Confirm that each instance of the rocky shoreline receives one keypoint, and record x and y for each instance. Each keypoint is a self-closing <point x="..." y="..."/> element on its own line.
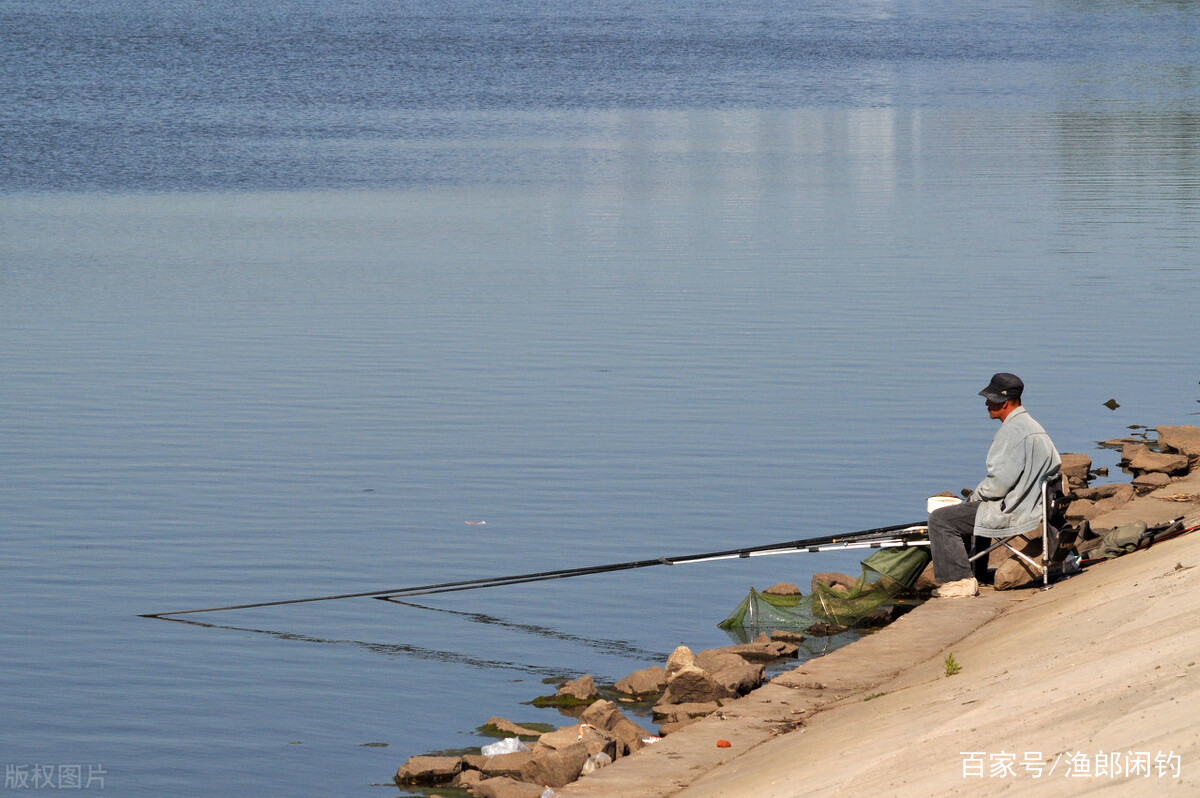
<point x="688" y="687"/>
<point x="710" y="684"/>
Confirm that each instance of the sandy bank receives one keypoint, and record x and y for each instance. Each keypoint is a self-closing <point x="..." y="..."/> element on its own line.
<point x="1092" y="686"/>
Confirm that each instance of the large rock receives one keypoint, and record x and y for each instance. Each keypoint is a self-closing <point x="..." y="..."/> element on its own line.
<point x="428" y="770"/>
<point x="1159" y="463"/>
<point x="762" y="650"/>
<point x="555" y="767"/>
<point x="694" y="685"/>
<point x="715" y="659"/>
<point x="1132" y="450"/>
<point x="593" y="738"/>
<point x="926" y="581"/>
<point x="1015" y="572"/>
<point x="647" y="681"/>
<point x="1080" y="510"/>
<point x="1114" y="502"/>
<point x="1075" y="468"/>
<point x="581" y="689"/>
<point x="1183" y="440"/>
<point x="505" y="764"/>
<point x="1151" y="481"/>
<point x="739" y="678"/>
<point x="467" y="779"/>
<point x="1029" y="544"/>
<point x="605" y="715"/>
<point x="1102" y="491"/>
<point x="671" y="713"/>
<point x="510" y="728"/>
<point x="672" y="726"/>
<point x="843" y="582"/>
<point x="474" y="761"/>
<point x="504" y="787"/>
<point x="680" y="658"/>
<point x="876" y="618"/>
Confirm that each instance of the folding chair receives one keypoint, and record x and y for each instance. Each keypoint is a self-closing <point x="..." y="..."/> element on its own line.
<point x="1053" y="521"/>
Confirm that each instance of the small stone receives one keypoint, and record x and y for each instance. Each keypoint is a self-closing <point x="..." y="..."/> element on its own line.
<point x="783" y="589"/>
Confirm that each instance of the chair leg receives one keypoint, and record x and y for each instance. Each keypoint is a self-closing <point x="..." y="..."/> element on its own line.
<point x="1045" y="534"/>
<point x="1027" y="559"/>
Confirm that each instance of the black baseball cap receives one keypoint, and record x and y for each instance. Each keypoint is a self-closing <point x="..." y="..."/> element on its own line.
<point x="1004" y="386"/>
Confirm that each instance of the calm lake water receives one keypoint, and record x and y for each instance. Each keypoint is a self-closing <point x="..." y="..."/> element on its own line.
<point x="292" y="291"/>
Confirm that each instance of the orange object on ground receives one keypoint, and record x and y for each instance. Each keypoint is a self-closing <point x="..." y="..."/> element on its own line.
<point x="723" y="744"/>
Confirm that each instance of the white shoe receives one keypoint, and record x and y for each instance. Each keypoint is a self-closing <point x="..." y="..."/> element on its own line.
<point x="963" y="588"/>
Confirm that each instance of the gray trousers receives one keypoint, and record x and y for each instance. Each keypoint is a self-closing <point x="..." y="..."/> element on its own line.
<point x="951" y="530"/>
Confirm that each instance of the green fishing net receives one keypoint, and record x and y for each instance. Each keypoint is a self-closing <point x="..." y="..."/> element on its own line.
<point x="767" y="611"/>
<point x="885" y="575"/>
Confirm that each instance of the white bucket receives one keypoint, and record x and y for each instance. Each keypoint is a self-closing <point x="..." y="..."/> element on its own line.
<point x="934" y="502"/>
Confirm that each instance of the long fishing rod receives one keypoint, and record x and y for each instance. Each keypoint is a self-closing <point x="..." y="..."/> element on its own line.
<point x="880" y="537"/>
<point x="878" y="543"/>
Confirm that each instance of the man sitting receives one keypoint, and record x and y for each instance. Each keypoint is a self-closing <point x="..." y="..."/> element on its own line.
<point x="1009" y="499"/>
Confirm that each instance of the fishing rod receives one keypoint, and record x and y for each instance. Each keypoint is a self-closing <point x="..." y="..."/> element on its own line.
<point x="881" y="537"/>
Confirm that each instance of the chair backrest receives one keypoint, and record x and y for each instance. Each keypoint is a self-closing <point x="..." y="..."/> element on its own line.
<point x="1054" y="499"/>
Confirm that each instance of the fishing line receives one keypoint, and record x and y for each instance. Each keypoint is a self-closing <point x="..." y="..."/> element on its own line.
<point x="394" y="650"/>
<point x="615" y="647"/>
<point x="912" y="534"/>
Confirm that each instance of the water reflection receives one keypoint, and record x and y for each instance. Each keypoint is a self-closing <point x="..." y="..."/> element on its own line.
<point x="1135" y="168"/>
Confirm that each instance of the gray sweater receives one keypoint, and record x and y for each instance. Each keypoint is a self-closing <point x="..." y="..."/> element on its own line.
<point x="1010" y="496"/>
